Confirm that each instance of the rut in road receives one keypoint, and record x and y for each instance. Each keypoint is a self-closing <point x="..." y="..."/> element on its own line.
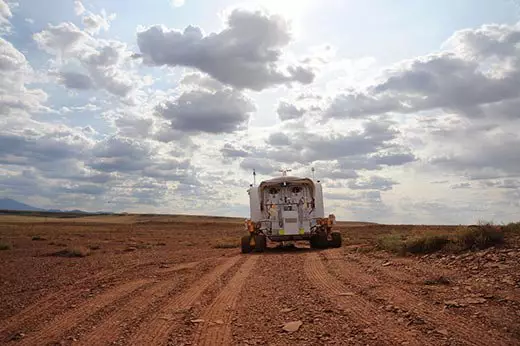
<point x="111" y="327"/>
<point x="33" y="313"/>
<point x="216" y="329"/>
<point x="62" y="323"/>
<point x="155" y="331"/>
<point x="385" y="327"/>
<point x="463" y="330"/>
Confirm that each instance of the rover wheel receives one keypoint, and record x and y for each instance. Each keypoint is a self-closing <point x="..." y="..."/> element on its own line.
<point x="319" y="241"/>
<point x="336" y="240"/>
<point x="245" y="244"/>
<point x="260" y="242"/>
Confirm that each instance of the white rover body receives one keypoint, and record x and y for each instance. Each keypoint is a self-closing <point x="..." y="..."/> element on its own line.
<point x="288" y="208"/>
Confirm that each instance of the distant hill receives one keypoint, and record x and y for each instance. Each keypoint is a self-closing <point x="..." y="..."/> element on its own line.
<point x="11" y="204"/>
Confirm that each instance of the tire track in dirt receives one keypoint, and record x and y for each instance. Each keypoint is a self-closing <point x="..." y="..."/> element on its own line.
<point x="68" y="320"/>
<point x="65" y="295"/>
<point x="111" y="326"/>
<point x="464" y="330"/>
<point x="221" y="310"/>
<point x="155" y="331"/>
<point x="358" y="308"/>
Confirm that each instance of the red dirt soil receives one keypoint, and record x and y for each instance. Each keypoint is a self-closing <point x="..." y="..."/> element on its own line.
<point x="178" y="280"/>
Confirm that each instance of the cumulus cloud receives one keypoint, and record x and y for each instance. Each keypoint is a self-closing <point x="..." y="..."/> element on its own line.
<point x="372" y="183"/>
<point x="479" y="70"/>
<point x="74" y="80"/>
<point x="287" y="111"/>
<point x="246" y="54"/>
<point x="195" y="111"/>
<point x="5" y="12"/>
<point x="278" y="139"/>
<point x="16" y="72"/>
<point x="106" y="62"/>
<point x="79" y="9"/>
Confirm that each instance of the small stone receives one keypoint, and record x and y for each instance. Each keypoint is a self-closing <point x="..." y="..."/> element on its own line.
<point x="442" y="331"/>
<point x="292" y="327"/>
<point x="219" y="322"/>
<point x="387" y="264"/>
<point x="286" y="310"/>
<point x="346" y="294"/>
<point x="198" y="320"/>
<point x="474" y="300"/>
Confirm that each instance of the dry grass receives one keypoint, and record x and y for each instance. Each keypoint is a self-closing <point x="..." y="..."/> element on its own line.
<point x="226" y="243"/>
<point x="470" y="238"/>
<point x="72" y="252"/>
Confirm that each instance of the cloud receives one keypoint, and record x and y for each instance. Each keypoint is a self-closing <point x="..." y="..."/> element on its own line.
<point x="373" y="183"/>
<point x="479" y="71"/>
<point x="287" y="111"/>
<point x="105" y="62"/>
<point x="79" y="9"/>
<point x="229" y="151"/>
<point x="460" y="186"/>
<point x="5" y="12"/>
<point x="16" y="73"/>
<point x="278" y="139"/>
<point x="75" y="80"/>
<point x="61" y="39"/>
<point x="246" y="54"/>
<point x="197" y="111"/>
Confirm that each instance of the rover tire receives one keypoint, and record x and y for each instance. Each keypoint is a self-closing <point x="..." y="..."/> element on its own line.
<point x="245" y="244"/>
<point x="319" y="241"/>
<point x="260" y="243"/>
<point x="336" y="240"/>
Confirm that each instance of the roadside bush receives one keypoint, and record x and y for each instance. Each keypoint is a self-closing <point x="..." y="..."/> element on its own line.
<point x="426" y="244"/>
<point x="477" y="237"/>
<point x="5" y="246"/>
<point x="512" y="227"/>
<point x="392" y="243"/>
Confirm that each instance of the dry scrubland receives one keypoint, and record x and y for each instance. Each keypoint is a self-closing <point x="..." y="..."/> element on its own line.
<point x="144" y="279"/>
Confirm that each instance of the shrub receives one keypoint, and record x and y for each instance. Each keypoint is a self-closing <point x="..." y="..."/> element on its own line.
<point x="426" y="244"/>
<point x="512" y="227"/>
<point x="479" y="237"/>
<point x="392" y="243"/>
<point x="5" y="246"/>
<point x="37" y="237"/>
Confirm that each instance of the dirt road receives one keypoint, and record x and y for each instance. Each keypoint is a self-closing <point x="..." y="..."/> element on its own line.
<point x="221" y="297"/>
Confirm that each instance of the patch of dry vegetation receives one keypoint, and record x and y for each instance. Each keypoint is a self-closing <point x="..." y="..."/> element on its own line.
<point x="72" y="252"/>
<point x="468" y="238"/>
<point x="226" y="243"/>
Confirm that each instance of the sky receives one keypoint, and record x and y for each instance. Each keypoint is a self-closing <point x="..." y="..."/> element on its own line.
<point x="408" y="111"/>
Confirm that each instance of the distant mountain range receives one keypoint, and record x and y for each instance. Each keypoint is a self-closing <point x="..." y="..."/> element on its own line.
<point x="11" y="204"/>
